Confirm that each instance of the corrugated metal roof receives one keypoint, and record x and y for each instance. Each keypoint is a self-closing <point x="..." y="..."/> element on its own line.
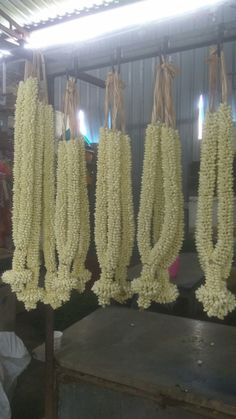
<point x="29" y="12"/>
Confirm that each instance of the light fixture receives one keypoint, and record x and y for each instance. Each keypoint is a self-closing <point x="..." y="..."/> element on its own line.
<point x="57" y="8"/>
<point x="12" y="41"/>
<point x="4" y="53"/>
<point x="95" y="25"/>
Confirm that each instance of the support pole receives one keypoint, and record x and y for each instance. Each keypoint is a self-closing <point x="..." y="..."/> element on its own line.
<point x="50" y="412"/>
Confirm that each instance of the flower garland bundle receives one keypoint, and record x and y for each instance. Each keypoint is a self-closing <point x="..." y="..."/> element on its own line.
<point x="114" y="220"/>
<point x="67" y="217"/>
<point x="19" y="138"/>
<point x="33" y="170"/>
<point x="51" y="296"/>
<point x="160" y="220"/>
<point x="108" y="215"/>
<point x="216" y="170"/>
<point x="25" y="178"/>
<point x="79" y="271"/>
<point x="35" y="207"/>
<point x="31" y="294"/>
<point x="127" y="216"/>
<point x="72" y="229"/>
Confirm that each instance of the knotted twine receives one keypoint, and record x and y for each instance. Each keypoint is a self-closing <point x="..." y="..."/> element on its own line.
<point x="71" y="105"/>
<point x="163" y="107"/>
<point x="217" y="75"/>
<point x="114" y="102"/>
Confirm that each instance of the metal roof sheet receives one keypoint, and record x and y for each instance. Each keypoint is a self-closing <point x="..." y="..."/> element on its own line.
<point x="31" y="13"/>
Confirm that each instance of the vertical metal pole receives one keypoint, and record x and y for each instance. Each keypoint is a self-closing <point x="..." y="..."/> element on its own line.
<point x="4" y="78"/>
<point x="49" y="366"/>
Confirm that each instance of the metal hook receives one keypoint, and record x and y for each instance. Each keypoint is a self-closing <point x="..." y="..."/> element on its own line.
<point x="165" y="47"/>
<point x="220" y="38"/>
<point x="113" y="63"/>
<point x="118" y="56"/>
<point x="76" y="67"/>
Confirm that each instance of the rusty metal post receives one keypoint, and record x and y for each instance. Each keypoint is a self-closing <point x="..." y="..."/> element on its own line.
<point x="50" y="412"/>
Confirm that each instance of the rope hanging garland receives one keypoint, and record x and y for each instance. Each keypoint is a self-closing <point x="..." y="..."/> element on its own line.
<point x="114" y="219"/>
<point x="216" y="172"/>
<point x="34" y="208"/>
<point x="33" y="114"/>
<point x="160" y="219"/>
<point x="72" y="230"/>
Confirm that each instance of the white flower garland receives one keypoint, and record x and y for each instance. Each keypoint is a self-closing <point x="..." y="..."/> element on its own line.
<point x="19" y="276"/>
<point x="35" y="208"/>
<point x="72" y="228"/>
<point x="114" y="225"/>
<point x="159" y="200"/>
<point x="127" y="233"/>
<point x="152" y="158"/>
<point x="162" y="150"/>
<point x="18" y="143"/>
<point x="79" y="271"/>
<point x="32" y="294"/>
<point x="51" y="294"/>
<point x="106" y="287"/>
<point x="207" y="182"/>
<point x="101" y="210"/>
<point x="216" y="160"/>
<point x="67" y="217"/>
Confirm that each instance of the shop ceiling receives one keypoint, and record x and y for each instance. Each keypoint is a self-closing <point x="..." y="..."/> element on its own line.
<point x="201" y="29"/>
<point x="31" y="14"/>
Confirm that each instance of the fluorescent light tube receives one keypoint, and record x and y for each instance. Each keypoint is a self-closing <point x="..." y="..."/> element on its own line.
<point x="96" y="25"/>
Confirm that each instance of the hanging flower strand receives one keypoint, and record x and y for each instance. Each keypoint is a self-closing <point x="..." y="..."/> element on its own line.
<point x="51" y="296"/>
<point x="30" y="127"/>
<point x="35" y="210"/>
<point x="20" y="275"/>
<point x="32" y="293"/>
<point x="114" y="221"/>
<point x="72" y="208"/>
<point x="160" y="220"/>
<point x="216" y="169"/>
<point x="127" y="213"/>
<point x="79" y="271"/>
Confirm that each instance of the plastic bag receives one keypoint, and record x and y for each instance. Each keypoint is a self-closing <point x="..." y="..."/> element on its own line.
<point x="14" y="358"/>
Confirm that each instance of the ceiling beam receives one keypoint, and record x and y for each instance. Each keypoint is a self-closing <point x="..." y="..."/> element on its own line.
<point x="13" y="23"/>
<point x="80" y="75"/>
<point x="10" y="32"/>
<point x="158" y="52"/>
<point x="14" y="30"/>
